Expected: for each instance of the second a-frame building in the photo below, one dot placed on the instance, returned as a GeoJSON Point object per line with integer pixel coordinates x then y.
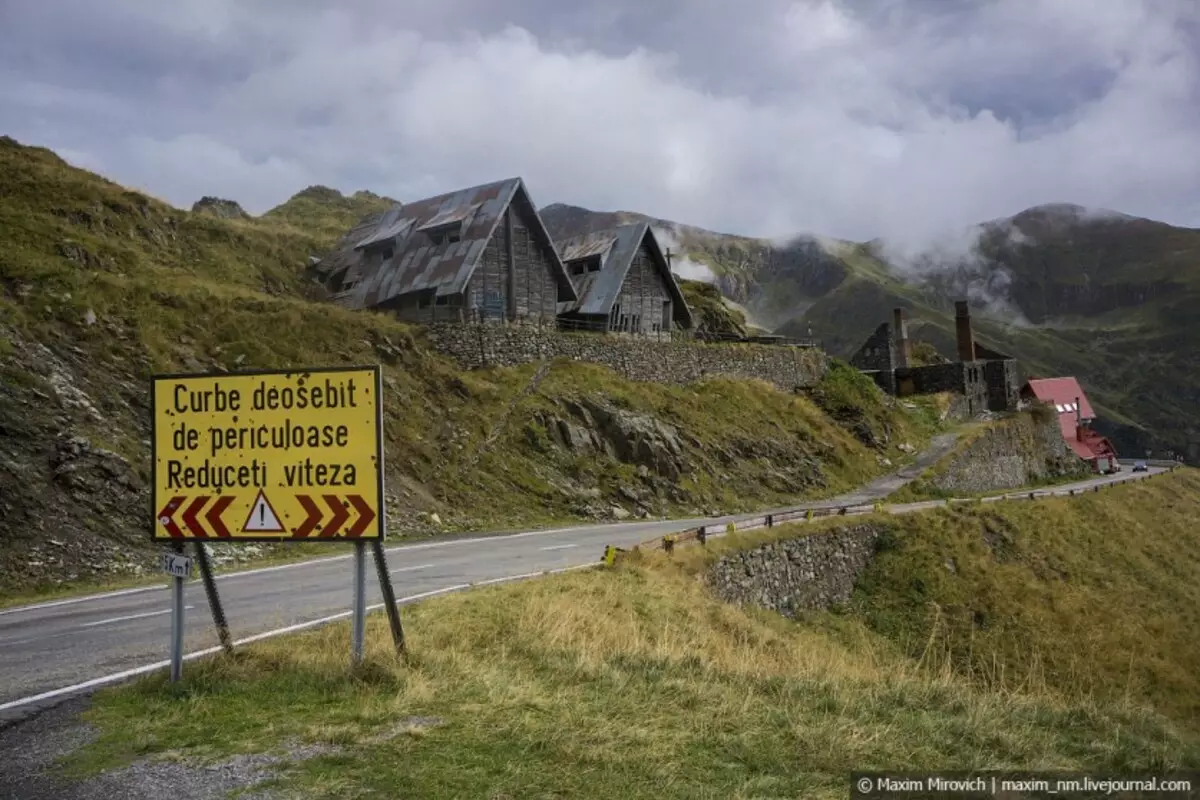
{"type": "Point", "coordinates": [623, 281]}
{"type": "Point", "coordinates": [476, 254]}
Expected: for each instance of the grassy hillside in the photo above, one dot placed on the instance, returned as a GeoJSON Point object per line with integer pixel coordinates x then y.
{"type": "Point", "coordinates": [1055, 644]}
{"type": "Point", "coordinates": [327, 213]}
{"type": "Point", "coordinates": [1089, 598]}
{"type": "Point", "coordinates": [100, 287]}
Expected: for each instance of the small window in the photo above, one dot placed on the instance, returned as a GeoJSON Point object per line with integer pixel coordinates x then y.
{"type": "Point", "coordinates": [387, 253]}
{"type": "Point", "coordinates": [579, 266]}
{"type": "Point", "coordinates": [448, 235]}
{"type": "Point", "coordinates": [443, 300]}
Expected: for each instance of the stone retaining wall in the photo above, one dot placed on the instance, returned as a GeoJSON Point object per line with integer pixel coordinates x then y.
{"type": "Point", "coordinates": [1013, 453]}
{"type": "Point", "coordinates": [635, 358]}
{"type": "Point", "coordinates": [807, 573]}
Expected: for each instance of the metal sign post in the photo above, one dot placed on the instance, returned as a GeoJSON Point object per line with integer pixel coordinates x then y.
{"type": "Point", "coordinates": [179, 567]}
{"type": "Point", "coordinates": [389, 596]}
{"type": "Point", "coordinates": [214, 599]}
{"type": "Point", "coordinates": [360, 602]}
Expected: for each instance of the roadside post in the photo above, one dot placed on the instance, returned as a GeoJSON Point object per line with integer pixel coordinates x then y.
{"type": "Point", "coordinates": [214, 599]}
{"type": "Point", "coordinates": [389, 596]}
{"type": "Point", "coordinates": [358, 628]}
{"type": "Point", "coordinates": [179, 567]}
{"type": "Point", "coordinates": [270, 456]}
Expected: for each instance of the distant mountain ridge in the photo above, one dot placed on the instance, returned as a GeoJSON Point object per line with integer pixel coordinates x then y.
{"type": "Point", "coordinates": [1111, 298]}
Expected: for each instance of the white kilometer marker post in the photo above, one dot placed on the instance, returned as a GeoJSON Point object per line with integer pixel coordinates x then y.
{"type": "Point", "coordinates": [179, 566]}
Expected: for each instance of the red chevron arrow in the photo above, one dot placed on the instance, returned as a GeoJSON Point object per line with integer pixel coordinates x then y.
{"type": "Point", "coordinates": [166, 517]}
{"type": "Point", "coordinates": [365, 514]}
{"type": "Point", "coordinates": [340, 515]}
{"type": "Point", "coordinates": [310, 522]}
{"type": "Point", "coordinates": [189, 517]}
{"type": "Point", "coordinates": [214, 516]}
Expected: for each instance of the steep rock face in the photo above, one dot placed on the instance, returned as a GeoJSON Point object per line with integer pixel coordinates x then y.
{"type": "Point", "coordinates": [593, 426]}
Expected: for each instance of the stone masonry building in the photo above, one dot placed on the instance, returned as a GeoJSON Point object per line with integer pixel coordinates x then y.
{"type": "Point", "coordinates": [985, 378]}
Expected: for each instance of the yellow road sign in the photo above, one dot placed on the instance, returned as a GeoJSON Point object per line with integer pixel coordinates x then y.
{"type": "Point", "coordinates": [268, 456]}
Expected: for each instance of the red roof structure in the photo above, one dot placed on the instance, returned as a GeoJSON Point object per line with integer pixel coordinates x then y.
{"type": "Point", "coordinates": [1075, 414]}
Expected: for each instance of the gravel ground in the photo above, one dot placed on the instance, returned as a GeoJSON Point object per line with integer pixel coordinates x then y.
{"type": "Point", "coordinates": [28, 769]}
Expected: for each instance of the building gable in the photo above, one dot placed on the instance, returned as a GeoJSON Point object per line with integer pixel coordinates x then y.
{"type": "Point", "coordinates": [604, 263]}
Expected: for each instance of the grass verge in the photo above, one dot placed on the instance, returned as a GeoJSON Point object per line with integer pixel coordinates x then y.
{"type": "Point", "coordinates": [636, 682]}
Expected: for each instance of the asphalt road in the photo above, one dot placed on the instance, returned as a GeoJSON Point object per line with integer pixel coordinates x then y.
{"type": "Point", "coordinates": [52, 648]}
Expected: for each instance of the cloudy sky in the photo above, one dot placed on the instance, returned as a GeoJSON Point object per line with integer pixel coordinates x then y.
{"type": "Point", "coordinates": [850, 118]}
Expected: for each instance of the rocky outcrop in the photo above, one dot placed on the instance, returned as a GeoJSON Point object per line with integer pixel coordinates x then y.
{"type": "Point", "coordinates": [219, 207]}
{"type": "Point", "coordinates": [808, 573]}
{"type": "Point", "coordinates": [595, 426]}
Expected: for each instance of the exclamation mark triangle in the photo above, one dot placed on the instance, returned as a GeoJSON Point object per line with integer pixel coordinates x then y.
{"type": "Point", "coordinates": [263, 518]}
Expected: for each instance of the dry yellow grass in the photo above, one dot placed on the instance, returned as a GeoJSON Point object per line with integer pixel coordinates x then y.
{"type": "Point", "coordinates": [623, 682]}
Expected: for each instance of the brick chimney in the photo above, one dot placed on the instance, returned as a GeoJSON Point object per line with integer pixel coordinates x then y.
{"type": "Point", "coordinates": [900, 330]}
{"type": "Point", "coordinates": [962, 323]}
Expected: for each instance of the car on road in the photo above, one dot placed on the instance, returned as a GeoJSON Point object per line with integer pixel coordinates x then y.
{"type": "Point", "coordinates": [1140, 466]}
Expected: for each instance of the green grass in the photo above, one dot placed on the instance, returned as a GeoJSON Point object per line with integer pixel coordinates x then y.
{"type": "Point", "coordinates": [636, 682]}
{"type": "Point", "coordinates": [327, 213]}
{"type": "Point", "coordinates": [1091, 597]}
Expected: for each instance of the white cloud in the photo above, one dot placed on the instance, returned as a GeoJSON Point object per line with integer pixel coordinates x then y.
{"type": "Point", "coordinates": [810, 116]}
{"type": "Point", "coordinates": [681, 264]}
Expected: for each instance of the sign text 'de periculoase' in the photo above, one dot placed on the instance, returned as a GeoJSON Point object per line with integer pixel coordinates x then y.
{"type": "Point", "coordinates": [268, 455]}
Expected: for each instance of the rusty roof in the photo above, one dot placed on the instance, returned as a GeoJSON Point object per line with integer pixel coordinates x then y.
{"type": "Point", "coordinates": [416, 263]}
{"type": "Point", "coordinates": [617, 248]}
{"type": "Point", "coordinates": [1062, 393]}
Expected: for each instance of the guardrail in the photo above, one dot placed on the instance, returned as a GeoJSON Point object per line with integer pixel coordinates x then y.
{"type": "Point", "coordinates": [702, 534]}
{"type": "Point", "coordinates": [1165, 463]}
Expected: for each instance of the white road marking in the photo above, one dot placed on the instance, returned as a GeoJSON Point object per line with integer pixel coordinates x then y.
{"type": "Point", "coordinates": [142, 670]}
{"type": "Point", "coordinates": [560, 546]}
{"type": "Point", "coordinates": [73, 600]}
{"type": "Point", "coordinates": [129, 617]}
{"type": "Point", "coordinates": [458, 542]}
{"type": "Point", "coordinates": [410, 569]}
